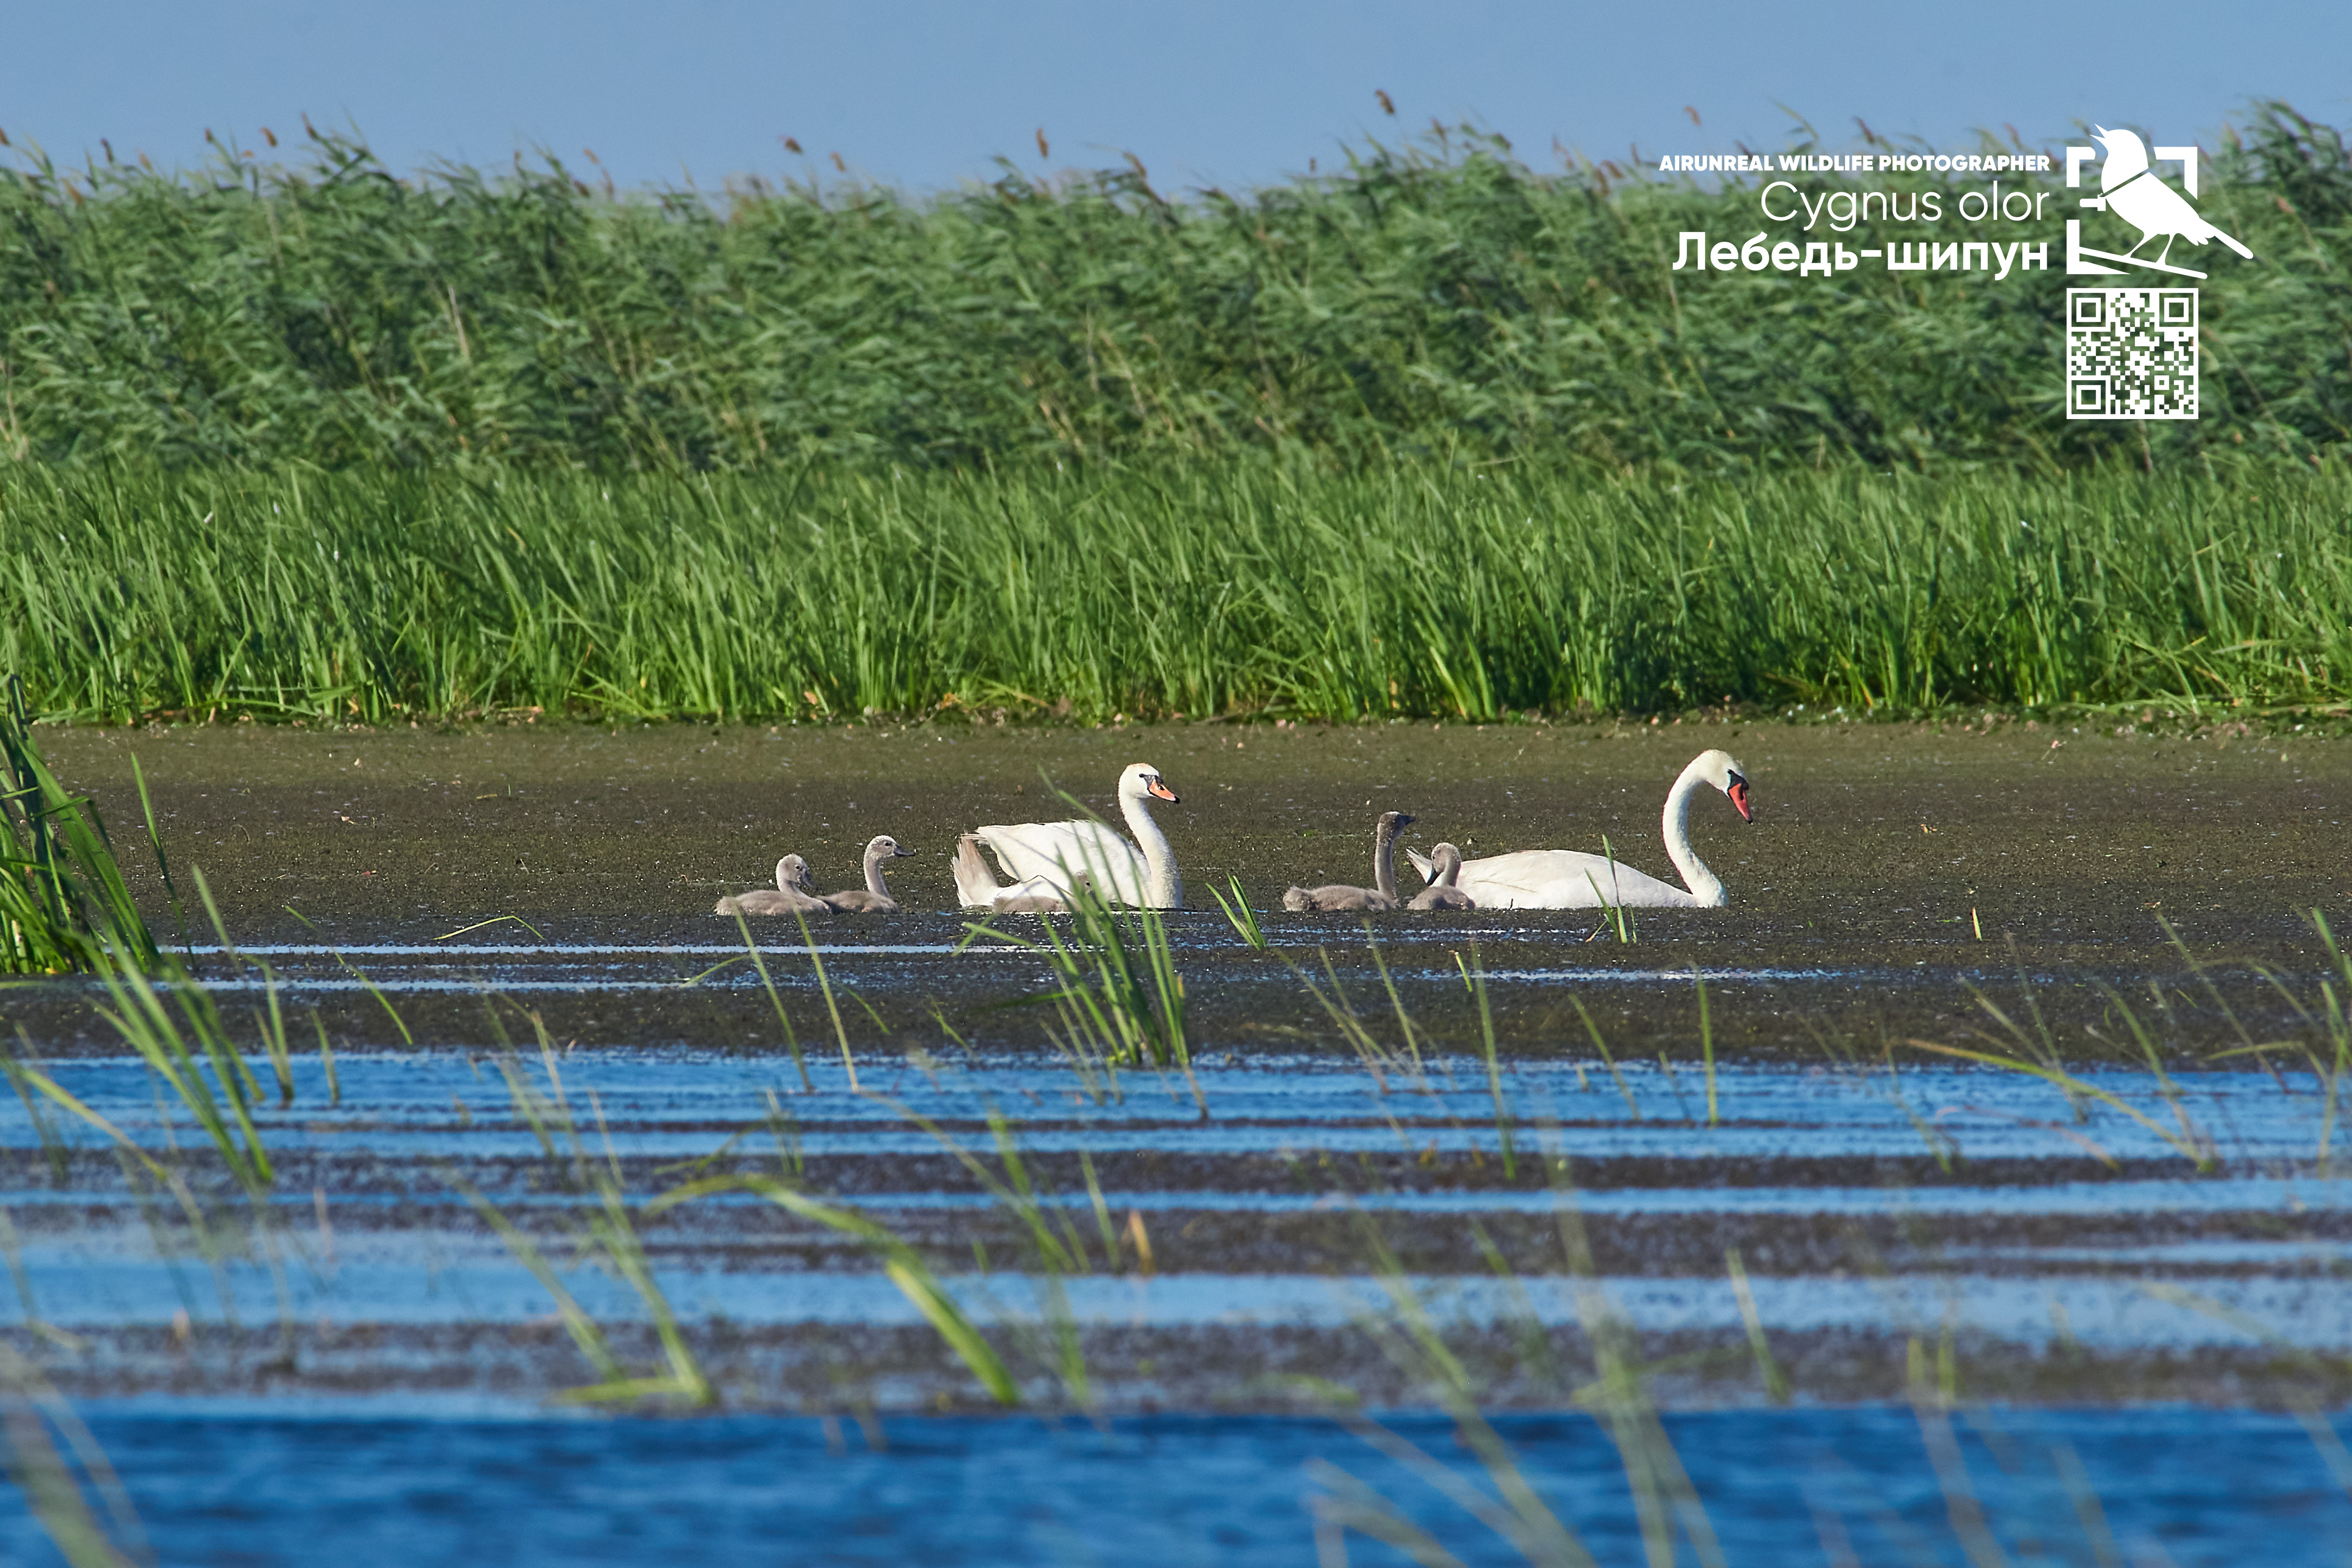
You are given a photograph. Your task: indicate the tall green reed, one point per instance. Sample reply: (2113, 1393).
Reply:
(63, 902)
(1438, 295)
(1231, 586)
(67, 906)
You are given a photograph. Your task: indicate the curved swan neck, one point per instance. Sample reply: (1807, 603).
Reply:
(1704, 884)
(874, 883)
(1384, 858)
(1163, 885)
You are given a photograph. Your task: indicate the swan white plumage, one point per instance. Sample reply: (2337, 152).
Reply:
(1044, 858)
(1570, 879)
(1381, 895)
(791, 893)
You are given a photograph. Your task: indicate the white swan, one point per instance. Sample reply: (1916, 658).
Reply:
(873, 898)
(1381, 895)
(1045, 858)
(1442, 894)
(1570, 879)
(789, 894)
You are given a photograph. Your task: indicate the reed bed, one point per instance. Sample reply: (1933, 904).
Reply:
(1228, 588)
(1432, 294)
(63, 902)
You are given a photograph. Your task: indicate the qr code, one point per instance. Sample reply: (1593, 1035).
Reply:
(2131, 353)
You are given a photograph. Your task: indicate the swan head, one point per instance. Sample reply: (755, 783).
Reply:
(1446, 860)
(882, 847)
(1720, 769)
(1393, 823)
(1142, 779)
(791, 872)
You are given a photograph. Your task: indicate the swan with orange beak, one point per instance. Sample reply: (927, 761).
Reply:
(1045, 858)
(1571, 879)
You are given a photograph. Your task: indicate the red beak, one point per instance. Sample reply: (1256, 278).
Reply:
(1161, 790)
(1739, 794)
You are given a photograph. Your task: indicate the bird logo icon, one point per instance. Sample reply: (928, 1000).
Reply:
(2130, 189)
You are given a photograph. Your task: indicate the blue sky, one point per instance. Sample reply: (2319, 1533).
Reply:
(921, 95)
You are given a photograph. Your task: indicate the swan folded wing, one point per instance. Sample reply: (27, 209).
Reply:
(1032, 889)
(1563, 880)
(1532, 879)
(1052, 853)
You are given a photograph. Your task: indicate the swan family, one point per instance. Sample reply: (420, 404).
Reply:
(1046, 860)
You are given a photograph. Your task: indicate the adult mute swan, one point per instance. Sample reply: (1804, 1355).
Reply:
(1045, 858)
(790, 893)
(1381, 895)
(1446, 861)
(873, 898)
(1570, 879)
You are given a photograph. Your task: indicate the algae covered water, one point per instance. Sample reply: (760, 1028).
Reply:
(1971, 1183)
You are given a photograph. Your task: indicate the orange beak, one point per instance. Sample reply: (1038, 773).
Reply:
(1739, 794)
(1161, 790)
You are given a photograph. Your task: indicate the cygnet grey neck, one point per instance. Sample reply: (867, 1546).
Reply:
(1384, 835)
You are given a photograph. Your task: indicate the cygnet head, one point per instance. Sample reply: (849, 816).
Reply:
(1445, 861)
(1143, 779)
(882, 847)
(1718, 769)
(1393, 823)
(791, 872)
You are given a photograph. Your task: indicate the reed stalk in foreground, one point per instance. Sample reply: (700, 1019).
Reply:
(610, 1236)
(904, 1266)
(1121, 999)
(58, 1477)
(63, 902)
(1238, 913)
(1474, 980)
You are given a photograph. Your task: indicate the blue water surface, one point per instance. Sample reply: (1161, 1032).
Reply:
(252, 1486)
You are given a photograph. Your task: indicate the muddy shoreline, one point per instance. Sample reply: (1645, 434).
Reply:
(1878, 855)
